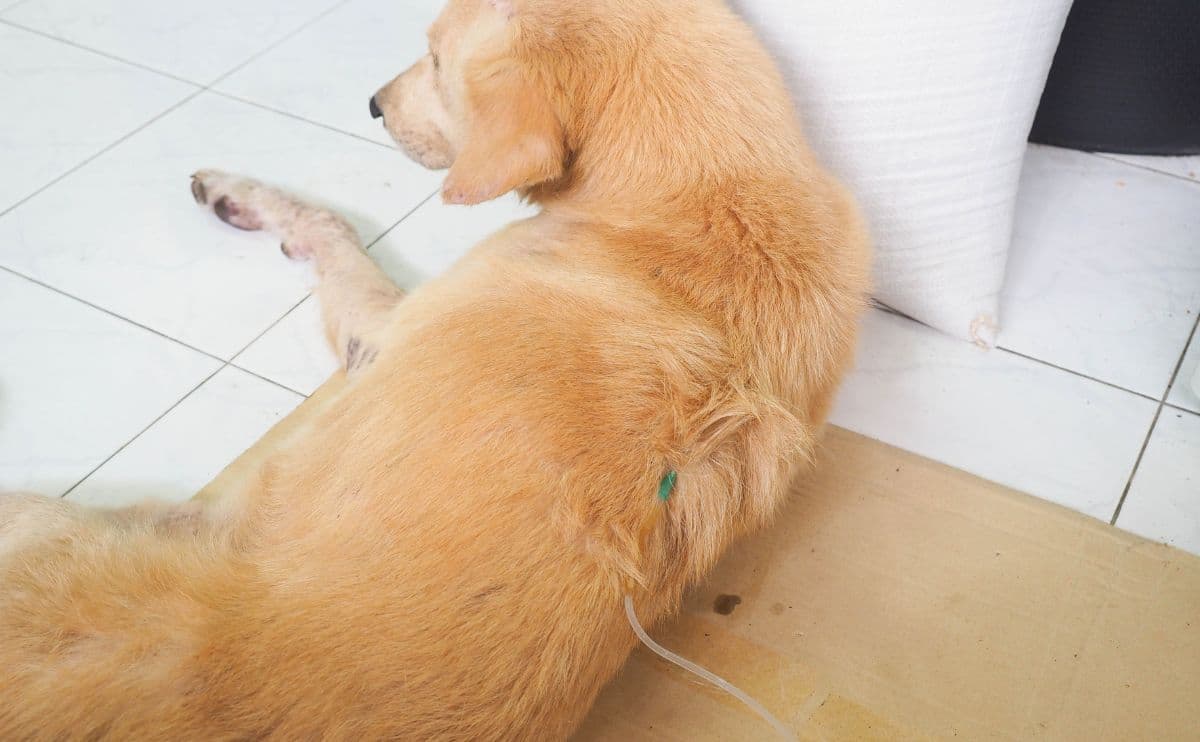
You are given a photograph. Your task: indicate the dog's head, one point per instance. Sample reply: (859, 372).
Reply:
(472, 104)
(591, 99)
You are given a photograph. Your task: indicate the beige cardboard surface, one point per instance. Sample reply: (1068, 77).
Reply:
(900, 599)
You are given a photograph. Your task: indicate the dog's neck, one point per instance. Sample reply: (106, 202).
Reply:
(645, 145)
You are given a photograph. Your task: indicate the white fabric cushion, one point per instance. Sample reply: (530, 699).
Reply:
(923, 108)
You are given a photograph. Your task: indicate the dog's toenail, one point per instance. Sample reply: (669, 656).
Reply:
(198, 191)
(283, 248)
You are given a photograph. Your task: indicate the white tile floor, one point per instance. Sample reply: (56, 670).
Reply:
(143, 344)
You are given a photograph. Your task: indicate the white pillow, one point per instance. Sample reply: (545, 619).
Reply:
(923, 108)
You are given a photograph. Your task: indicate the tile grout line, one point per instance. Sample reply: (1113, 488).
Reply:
(1162, 404)
(164, 73)
(1136, 464)
(210, 86)
(224, 363)
(139, 434)
(1116, 158)
(1182, 357)
(1078, 374)
(13, 6)
(113, 314)
(57, 179)
(286, 37)
(1177, 408)
(99, 52)
(201, 89)
(257, 375)
(401, 220)
(880, 306)
(366, 248)
(298, 117)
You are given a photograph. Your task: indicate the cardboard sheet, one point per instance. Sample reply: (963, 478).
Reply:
(899, 599)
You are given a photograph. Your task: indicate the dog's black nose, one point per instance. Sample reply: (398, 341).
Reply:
(375, 112)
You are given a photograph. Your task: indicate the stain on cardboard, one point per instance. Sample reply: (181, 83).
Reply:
(724, 604)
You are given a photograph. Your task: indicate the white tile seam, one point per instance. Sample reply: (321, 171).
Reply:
(1187, 345)
(1177, 408)
(1112, 157)
(99, 53)
(12, 6)
(163, 335)
(141, 432)
(1136, 465)
(57, 179)
(200, 89)
(888, 310)
(224, 364)
(268, 379)
(1154, 425)
(366, 248)
(286, 37)
(112, 314)
(1078, 374)
(999, 348)
(147, 68)
(297, 117)
(1162, 404)
(148, 329)
(413, 210)
(880, 306)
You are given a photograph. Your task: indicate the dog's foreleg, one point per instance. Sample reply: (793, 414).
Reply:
(356, 296)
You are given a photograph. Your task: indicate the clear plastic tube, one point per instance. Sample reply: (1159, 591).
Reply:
(695, 669)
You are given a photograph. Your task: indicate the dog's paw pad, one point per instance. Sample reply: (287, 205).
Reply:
(235, 215)
(295, 250)
(230, 197)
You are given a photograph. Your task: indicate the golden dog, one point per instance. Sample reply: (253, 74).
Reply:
(444, 554)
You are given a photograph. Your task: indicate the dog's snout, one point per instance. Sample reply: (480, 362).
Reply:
(375, 112)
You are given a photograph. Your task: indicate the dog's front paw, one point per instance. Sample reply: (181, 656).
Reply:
(230, 197)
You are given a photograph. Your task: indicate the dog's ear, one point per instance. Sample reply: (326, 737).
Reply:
(514, 140)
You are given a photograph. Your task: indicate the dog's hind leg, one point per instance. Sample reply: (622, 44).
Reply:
(356, 296)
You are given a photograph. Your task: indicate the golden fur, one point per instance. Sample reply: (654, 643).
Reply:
(443, 555)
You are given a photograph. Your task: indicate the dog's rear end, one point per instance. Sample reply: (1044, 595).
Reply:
(443, 554)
